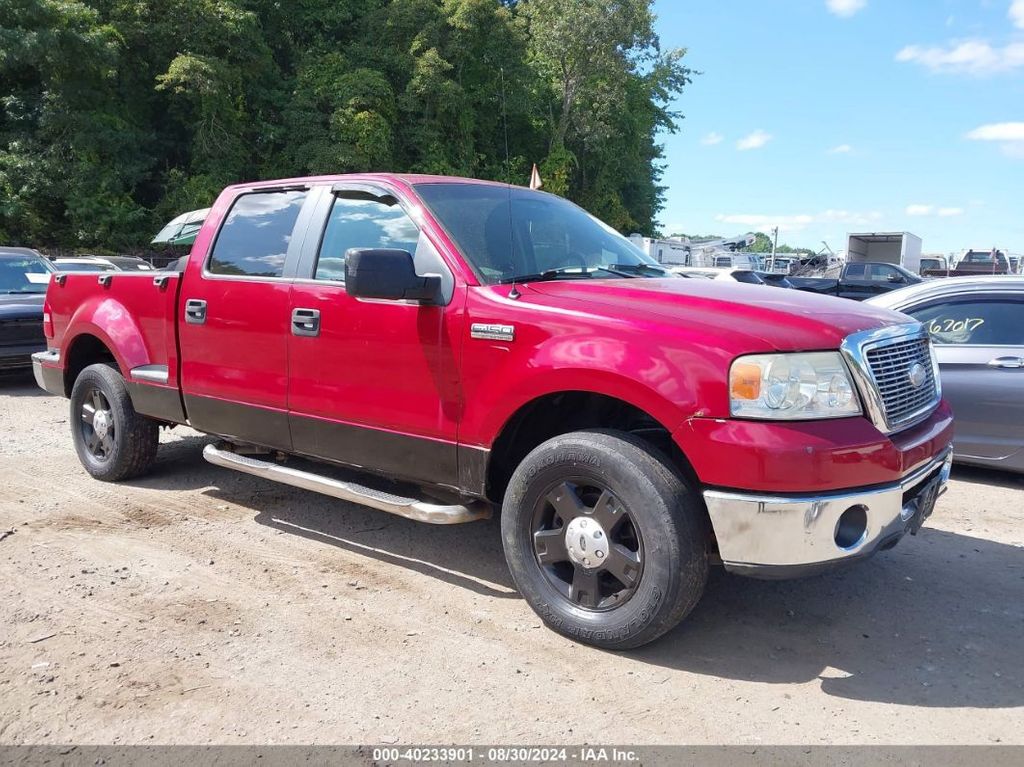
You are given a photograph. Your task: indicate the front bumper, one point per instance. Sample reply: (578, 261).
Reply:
(785, 536)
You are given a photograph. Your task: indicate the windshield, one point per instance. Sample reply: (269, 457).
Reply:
(511, 233)
(24, 275)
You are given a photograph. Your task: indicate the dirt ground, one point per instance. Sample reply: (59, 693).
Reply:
(198, 605)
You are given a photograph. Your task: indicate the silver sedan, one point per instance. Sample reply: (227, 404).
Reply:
(977, 326)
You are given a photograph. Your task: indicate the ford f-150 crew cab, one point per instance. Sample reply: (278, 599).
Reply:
(437, 347)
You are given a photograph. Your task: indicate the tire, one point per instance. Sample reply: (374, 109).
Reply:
(121, 446)
(655, 561)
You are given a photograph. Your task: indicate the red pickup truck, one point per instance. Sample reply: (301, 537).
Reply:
(437, 347)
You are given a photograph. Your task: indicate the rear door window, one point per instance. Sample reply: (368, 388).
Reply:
(855, 271)
(254, 238)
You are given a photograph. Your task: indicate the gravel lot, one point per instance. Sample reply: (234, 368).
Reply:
(198, 605)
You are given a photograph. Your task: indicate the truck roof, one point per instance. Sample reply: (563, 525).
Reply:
(407, 178)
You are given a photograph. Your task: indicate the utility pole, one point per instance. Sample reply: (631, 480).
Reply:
(775, 245)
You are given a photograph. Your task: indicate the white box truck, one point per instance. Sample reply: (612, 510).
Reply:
(901, 248)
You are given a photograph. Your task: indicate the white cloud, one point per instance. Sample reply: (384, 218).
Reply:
(712, 138)
(755, 140)
(972, 57)
(763, 222)
(841, 149)
(798, 222)
(998, 132)
(845, 8)
(931, 210)
(1011, 135)
(1016, 13)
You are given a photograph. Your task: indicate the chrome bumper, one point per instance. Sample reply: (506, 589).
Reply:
(773, 536)
(47, 373)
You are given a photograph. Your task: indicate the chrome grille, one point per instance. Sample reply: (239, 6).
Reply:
(890, 364)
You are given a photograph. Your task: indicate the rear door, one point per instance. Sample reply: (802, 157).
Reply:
(234, 319)
(979, 341)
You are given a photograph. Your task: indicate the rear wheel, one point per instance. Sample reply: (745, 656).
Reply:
(604, 539)
(113, 442)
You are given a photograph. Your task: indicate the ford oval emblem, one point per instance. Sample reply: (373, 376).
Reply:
(918, 375)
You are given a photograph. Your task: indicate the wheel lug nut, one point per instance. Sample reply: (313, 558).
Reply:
(597, 534)
(599, 554)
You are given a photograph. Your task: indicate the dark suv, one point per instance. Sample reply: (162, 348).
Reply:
(24, 275)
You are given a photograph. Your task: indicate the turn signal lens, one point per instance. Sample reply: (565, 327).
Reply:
(745, 381)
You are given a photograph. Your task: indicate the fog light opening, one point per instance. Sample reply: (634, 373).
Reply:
(852, 527)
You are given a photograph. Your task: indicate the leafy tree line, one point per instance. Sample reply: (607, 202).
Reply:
(116, 115)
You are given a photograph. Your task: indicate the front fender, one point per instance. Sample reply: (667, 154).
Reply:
(669, 381)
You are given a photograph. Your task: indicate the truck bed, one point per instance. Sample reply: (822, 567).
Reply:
(132, 313)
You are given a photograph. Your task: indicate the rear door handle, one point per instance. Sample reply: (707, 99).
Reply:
(305, 322)
(195, 311)
(1007, 363)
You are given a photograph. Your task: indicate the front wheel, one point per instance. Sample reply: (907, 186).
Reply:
(604, 539)
(113, 442)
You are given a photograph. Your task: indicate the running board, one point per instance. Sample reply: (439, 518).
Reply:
(411, 508)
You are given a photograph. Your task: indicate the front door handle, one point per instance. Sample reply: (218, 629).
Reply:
(195, 311)
(1007, 363)
(305, 322)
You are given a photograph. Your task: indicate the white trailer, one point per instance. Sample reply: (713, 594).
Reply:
(901, 248)
(668, 251)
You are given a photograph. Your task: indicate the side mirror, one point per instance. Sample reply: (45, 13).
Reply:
(388, 273)
(895, 278)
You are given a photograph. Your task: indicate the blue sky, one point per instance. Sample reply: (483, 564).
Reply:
(831, 116)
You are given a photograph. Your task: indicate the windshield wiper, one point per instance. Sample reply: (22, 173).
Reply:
(635, 269)
(565, 272)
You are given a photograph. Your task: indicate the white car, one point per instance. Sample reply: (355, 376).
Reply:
(718, 273)
(84, 264)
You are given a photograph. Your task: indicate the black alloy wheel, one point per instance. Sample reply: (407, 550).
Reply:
(587, 544)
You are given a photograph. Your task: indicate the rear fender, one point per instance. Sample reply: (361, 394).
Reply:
(108, 320)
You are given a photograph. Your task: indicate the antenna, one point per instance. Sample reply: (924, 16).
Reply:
(514, 293)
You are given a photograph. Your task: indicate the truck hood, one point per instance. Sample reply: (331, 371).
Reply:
(780, 319)
(21, 306)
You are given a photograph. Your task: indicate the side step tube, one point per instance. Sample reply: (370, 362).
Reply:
(421, 511)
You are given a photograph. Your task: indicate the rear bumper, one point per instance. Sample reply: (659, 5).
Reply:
(47, 371)
(786, 536)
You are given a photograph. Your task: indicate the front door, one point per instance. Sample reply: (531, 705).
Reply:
(234, 321)
(373, 383)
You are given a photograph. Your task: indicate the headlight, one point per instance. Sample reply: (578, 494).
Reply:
(792, 387)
